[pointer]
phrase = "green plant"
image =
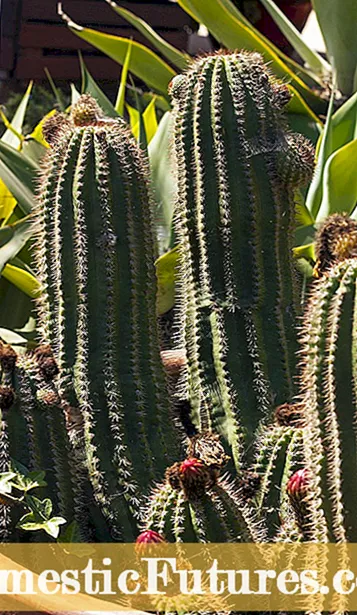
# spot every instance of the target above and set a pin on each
(311, 83)
(110, 425)
(328, 384)
(238, 296)
(94, 232)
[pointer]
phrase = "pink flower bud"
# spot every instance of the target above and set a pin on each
(149, 536)
(298, 484)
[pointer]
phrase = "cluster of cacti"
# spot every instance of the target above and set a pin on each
(92, 404)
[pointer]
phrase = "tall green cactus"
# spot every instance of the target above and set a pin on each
(95, 260)
(329, 383)
(238, 167)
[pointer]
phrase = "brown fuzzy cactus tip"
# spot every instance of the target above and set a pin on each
(336, 240)
(207, 447)
(8, 357)
(191, 476)
(86, 111)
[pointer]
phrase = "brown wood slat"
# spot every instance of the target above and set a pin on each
(98, 14)
(39, 36)
(7, 54)
(31, 64)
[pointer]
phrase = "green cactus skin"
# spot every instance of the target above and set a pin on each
(328, 385)
(95, 260)
(237, 297)
(221, 515)
(36, 431)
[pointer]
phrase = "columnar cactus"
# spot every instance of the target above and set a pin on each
(95, 260)
(329, 377)
(36, 425)
(237, 171)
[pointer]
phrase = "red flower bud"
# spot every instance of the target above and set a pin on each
(149, 536)
(192, 467)
(298, 484)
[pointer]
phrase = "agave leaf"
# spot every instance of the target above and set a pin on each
(309, 78)
(120, 102)
(145, 64)
(165, 273)
(13, 137)
(89, 86)
(13, 238)
(134, 119)
(22, 278)
(17, 121)
(74, 94)
(173, 55)
(344, 123)
(298, 105)
(163, 180)
(292, 34)
(305, 251)
(37, 132)
(19, 173)
(234, 34)
(16, 306)
(337, 20)
(305, 126)
(150, 120)
(56, 91)
(340, 181)
(323, 151)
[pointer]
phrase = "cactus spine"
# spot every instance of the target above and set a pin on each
(237, 171)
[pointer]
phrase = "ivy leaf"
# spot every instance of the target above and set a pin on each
(6, 481)
(31, 523)
(25, 480)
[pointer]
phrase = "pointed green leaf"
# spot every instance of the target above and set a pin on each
(144, 63)
(340, 181)
(308, 77)
(298, 105)
(173, 55)
(55, 90)
(166, 267)
(150, 120)
(134, 119)
(37, 133)
(163, 180)
(13, 238)
(292, 34)
(337, 20)
(22, 279)
(234, 34)
(323, 150)
(89, 86)
(120, 102)
(74, 94)
(306, 251)
(344, 123)
(17, 121)
(19, 174)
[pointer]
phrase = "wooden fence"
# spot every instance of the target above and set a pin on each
(34, 37)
